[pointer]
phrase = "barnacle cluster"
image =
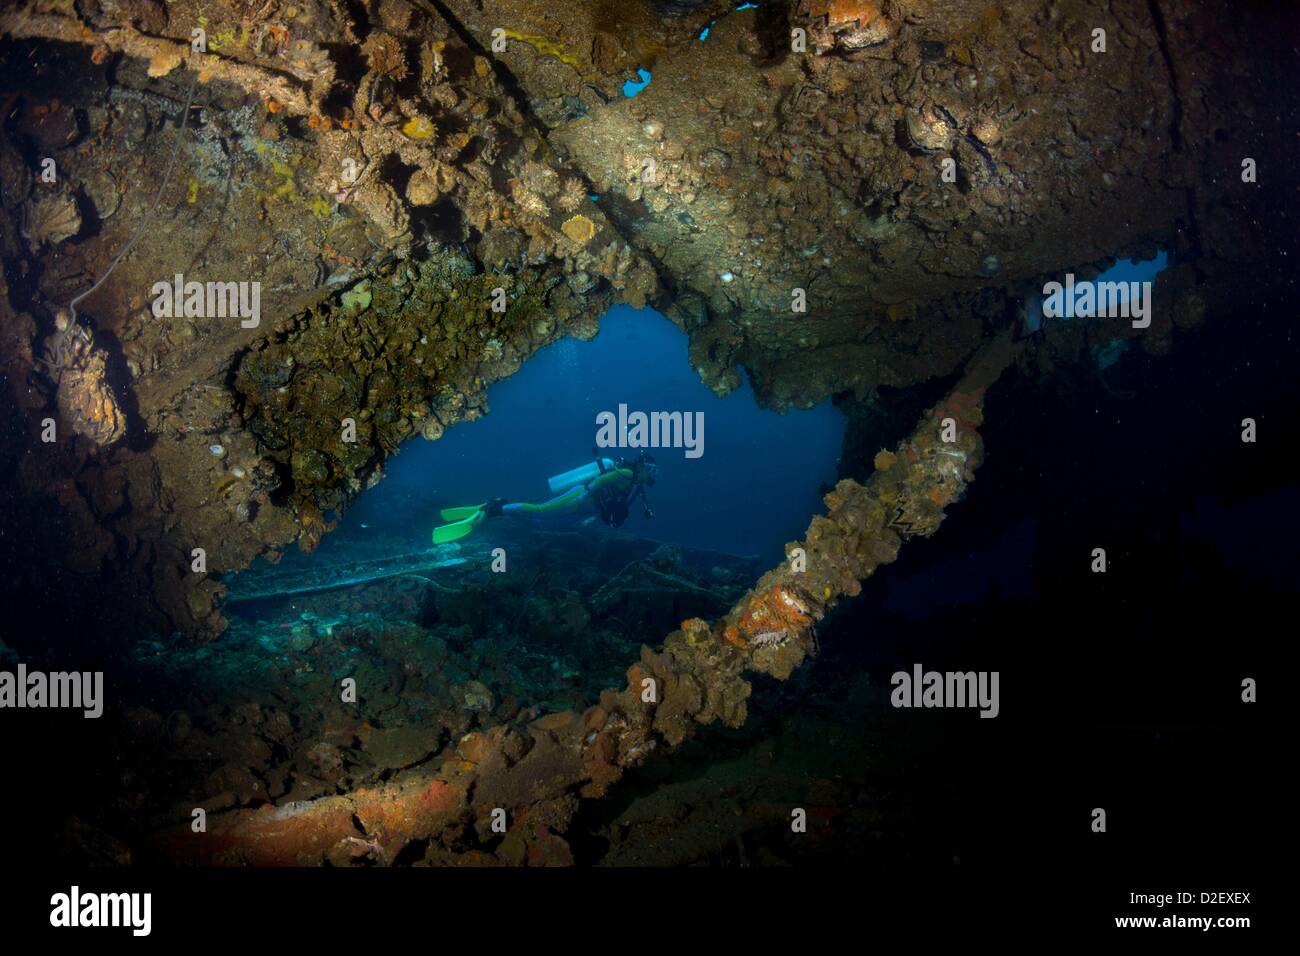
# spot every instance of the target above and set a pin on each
(846, 25)
(774, 616)
(572, 194)
(527, 200)
(384, 53)
(86, 397)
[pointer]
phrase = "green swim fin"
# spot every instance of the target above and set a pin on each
(470, 518)
(456, 514)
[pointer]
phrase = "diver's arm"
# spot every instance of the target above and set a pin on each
(645, 501)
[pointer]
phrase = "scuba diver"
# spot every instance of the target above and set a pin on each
(605, 486)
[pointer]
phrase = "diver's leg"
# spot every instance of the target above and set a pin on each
(565, 504)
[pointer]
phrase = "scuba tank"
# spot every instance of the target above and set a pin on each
(578, 476)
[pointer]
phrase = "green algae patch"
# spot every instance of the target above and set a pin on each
(357, 298)
(547, 47)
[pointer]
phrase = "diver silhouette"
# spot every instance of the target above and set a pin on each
(604, 486)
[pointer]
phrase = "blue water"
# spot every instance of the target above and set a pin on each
(1124, 270)
(751, 491)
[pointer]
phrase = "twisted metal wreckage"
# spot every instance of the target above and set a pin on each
(774, 172)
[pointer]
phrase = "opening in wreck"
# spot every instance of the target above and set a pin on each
(539, 588)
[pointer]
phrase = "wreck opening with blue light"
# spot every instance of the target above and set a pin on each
(717, 509)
